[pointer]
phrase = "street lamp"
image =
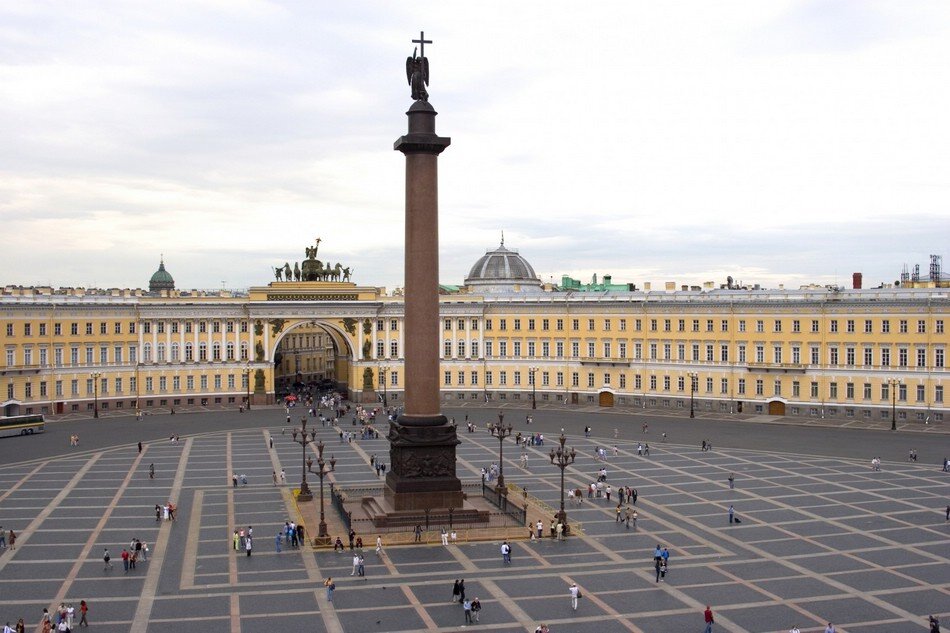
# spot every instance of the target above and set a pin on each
(247, 381)
(95, 394)
(534, 401)
(692, 391)
(321, 472)
(894, 383)
(382, 374)
(304, 494)
(562, 459)
(501, 432)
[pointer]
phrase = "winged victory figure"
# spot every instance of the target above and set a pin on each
(417, 72)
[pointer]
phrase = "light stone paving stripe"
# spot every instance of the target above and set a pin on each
(420, 610)
(586, 595)
(150, 587)
(191, 543)
(93, 535)
(22, 481)
(232, 523)
(510, 605)
(24, 536)
(761, 553)
(235, 612)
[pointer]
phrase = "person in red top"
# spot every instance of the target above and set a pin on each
(125, 559)
(707, 614)
(83, 610)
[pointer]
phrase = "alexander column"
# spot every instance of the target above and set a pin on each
(422, 442)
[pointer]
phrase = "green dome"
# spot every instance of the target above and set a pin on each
(161, 280)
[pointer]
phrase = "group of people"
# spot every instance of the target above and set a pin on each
(74, 439)
(7, 538)
(165, 511)
(65, 616)
(471, 608)
(131, 555)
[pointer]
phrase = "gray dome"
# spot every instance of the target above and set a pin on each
(502, 267)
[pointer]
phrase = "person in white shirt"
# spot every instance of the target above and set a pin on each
(356, 562)
(575, 592)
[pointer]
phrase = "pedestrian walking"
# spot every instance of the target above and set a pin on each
(106, 558)
(445, 536)
(732, 481)
(361, 567)
(248, 545)
(506, 553)
(151, 471)
(732, 513)
(277, 541)
(657, 563)
(830, 628)
(663, 568)
(330, 586)
(125, 559)
(575, 594)
(708, 617)
(795, 629)
(83, 612)
(356, 562)
(379, 545)
(934, 622)
(417, 532)
(467, 607)
(462, 590)
(140, 447)
(274, 476)
(12, 540)
(455, 591)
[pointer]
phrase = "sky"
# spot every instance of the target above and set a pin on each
(778, 142)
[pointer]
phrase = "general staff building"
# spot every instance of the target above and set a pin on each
(505, 337)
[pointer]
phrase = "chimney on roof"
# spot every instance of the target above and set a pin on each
(671, 286)
(856, 281)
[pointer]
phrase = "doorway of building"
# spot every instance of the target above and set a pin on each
(776, 407)
(606, 399)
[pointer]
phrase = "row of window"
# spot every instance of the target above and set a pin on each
(759, 385)
(117, 327)
(101, 388)
(162, 354)
(698, 353)
(850, 325)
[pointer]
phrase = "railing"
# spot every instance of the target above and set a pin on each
(506, 506)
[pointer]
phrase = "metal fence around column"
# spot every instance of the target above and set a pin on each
(503, 503)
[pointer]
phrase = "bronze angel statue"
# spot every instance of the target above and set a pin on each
(417, 72)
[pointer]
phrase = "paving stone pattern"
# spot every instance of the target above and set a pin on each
(821, 539)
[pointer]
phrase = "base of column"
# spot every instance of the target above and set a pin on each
(422, 465)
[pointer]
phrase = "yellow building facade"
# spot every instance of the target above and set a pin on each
(506, 338)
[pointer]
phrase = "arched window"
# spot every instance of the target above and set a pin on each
(160, 353)
(394, 349)
(202, 351)
(189, 352)
(147, 353)
(230, 351)
(244, 350)
(176, 352)
(216, 351)
(447, 349)
(380, 349)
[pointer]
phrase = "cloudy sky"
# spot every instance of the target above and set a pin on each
(777, 142)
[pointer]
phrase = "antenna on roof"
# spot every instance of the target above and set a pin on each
(503, 237)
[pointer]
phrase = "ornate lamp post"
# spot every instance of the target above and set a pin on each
(534, 401)
(894, 383)
(304, 494)
(692, 392)
(562, 459)
(501, 432)
(95, 393)
(321, 472)
(247, 384)
(382, 375)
